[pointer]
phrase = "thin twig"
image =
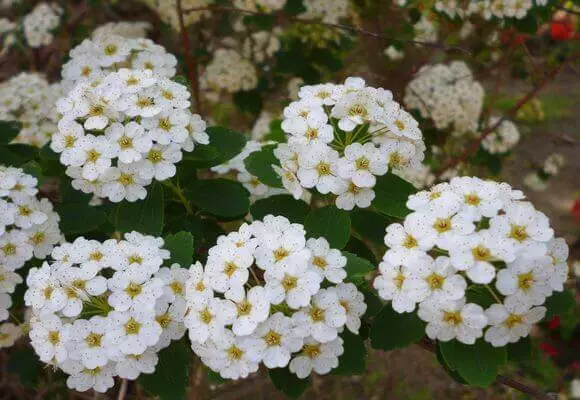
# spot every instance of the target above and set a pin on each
(190, 60)
(472, 148)
(281, 16)
(122, 390)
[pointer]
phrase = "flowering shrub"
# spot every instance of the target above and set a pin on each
(222, 209)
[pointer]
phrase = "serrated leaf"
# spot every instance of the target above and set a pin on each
(478, 363)
(391, 194)
(392, 330)
(259, 164)
(145, 216)
(220, 197)
(224, 144)
(281, 204)
(331, 223)
(451, 372)
(353, 360)
(171, 377)
(180, 245)
(288, 383)
(356, 267)
(9, 130)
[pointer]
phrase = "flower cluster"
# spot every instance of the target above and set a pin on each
(237, 166)
(538, 180)
(119, 134)
(228, 71)
(260, 5)
(503, 138)
(467, 242)
(95, 58)
(7, 35)
(127, 29)
(261, 298)
(105, 309)
(260, 46)
(28, 228)
(38, 25)
(486, 9)
(425, 30)
(167, 10)
(341, 137)
(447, 95)
(29, 99)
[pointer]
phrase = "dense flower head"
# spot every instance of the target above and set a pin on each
(342, 137)
(40, 22)
(228, 71)
(29, 99)
(108, 50)
(465, 241)
(28, 228)
(127, 29)
(118, 134)
(485, 9)
(503, 138)
(167, 10)
(448, 95)
(269, 295)
(104, 309)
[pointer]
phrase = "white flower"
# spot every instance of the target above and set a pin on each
(329, 263)
(44, 291)
(129, 142)
(511, 321)
(131, 366)
(133, 289)
(350, 195)
(235, 357)
(526, 280)
(14, 249)
(558, 252)
(289, 181)
(453, 320)
(79, 284)
(435, 280)
(87, 342)
(9, 334)
(132, 331)
(394, 284)
(479, 198)
(278, 340)
(353, 303)
(209, 319)
(197, 288)
(295, 287)
(174, 280)
(49, 337)
(361, 163)
(124, 182)
(82, 379)
(227, 270)
(405, 242)
(317, 357)
(170, 318)
(159, 163)
(8, 280)
(318, 168)
(251, 310)
(323, 317)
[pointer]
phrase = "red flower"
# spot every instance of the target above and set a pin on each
(562, 29)
(548, 349)
(576, 210)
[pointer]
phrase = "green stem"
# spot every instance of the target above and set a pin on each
(176, 189)
(495, 296)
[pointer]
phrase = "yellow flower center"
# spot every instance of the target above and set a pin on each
(399, 124)
(235, 353)
(316, 313)
(362, 163)
(155, 156)
(280, 254)
(69, 141)
(272, 338)
(435, 281)
(9, 249)
(132, 327)
(177, 287)
(323, 168)
(126, 179)
(94, 339)
(93, 156)
(518, 233)
(125, 143)
(143, 102)
(410, 242)
(481, 253)
(442, 225)
(163, 320)
(311, 350)
(133, 289)
(289, 282)
(96, 109)
(244, 308)
(54, 337)
(358, 110)
(399, 279)
(319, 262)
(164, 124)
(525, 281)
(111, 49)
(230, 268)
(452, 317)
(472, 199)
(205, 316)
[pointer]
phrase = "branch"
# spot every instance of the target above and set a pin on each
(191, 61)
(532, 391)
(281, 16)
(122, 390)
(472, 148)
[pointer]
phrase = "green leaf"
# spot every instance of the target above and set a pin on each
(276, 133)
(288, 383)
(476, 363)
(214, 378)
(32, 168)
(9, 130)
(392, 193)
(356, 267)
(224, 144)
(294, 7)
(145, 216)
(353, 360)
(370, 225)
(373, 302)
(331, 223)
(259, 164)
(451, 372)
(25, 363)
(221, 197)
(281, 204)
(559, 303)
(171, 377)
(180, 246)
(520, 350)
(10, 157)
(77, 218)
(392, 330)
(479, 295)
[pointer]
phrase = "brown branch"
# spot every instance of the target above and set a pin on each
(530, 390)
(474, 146)
(281, 16)
(190, 60)
(122, 390)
